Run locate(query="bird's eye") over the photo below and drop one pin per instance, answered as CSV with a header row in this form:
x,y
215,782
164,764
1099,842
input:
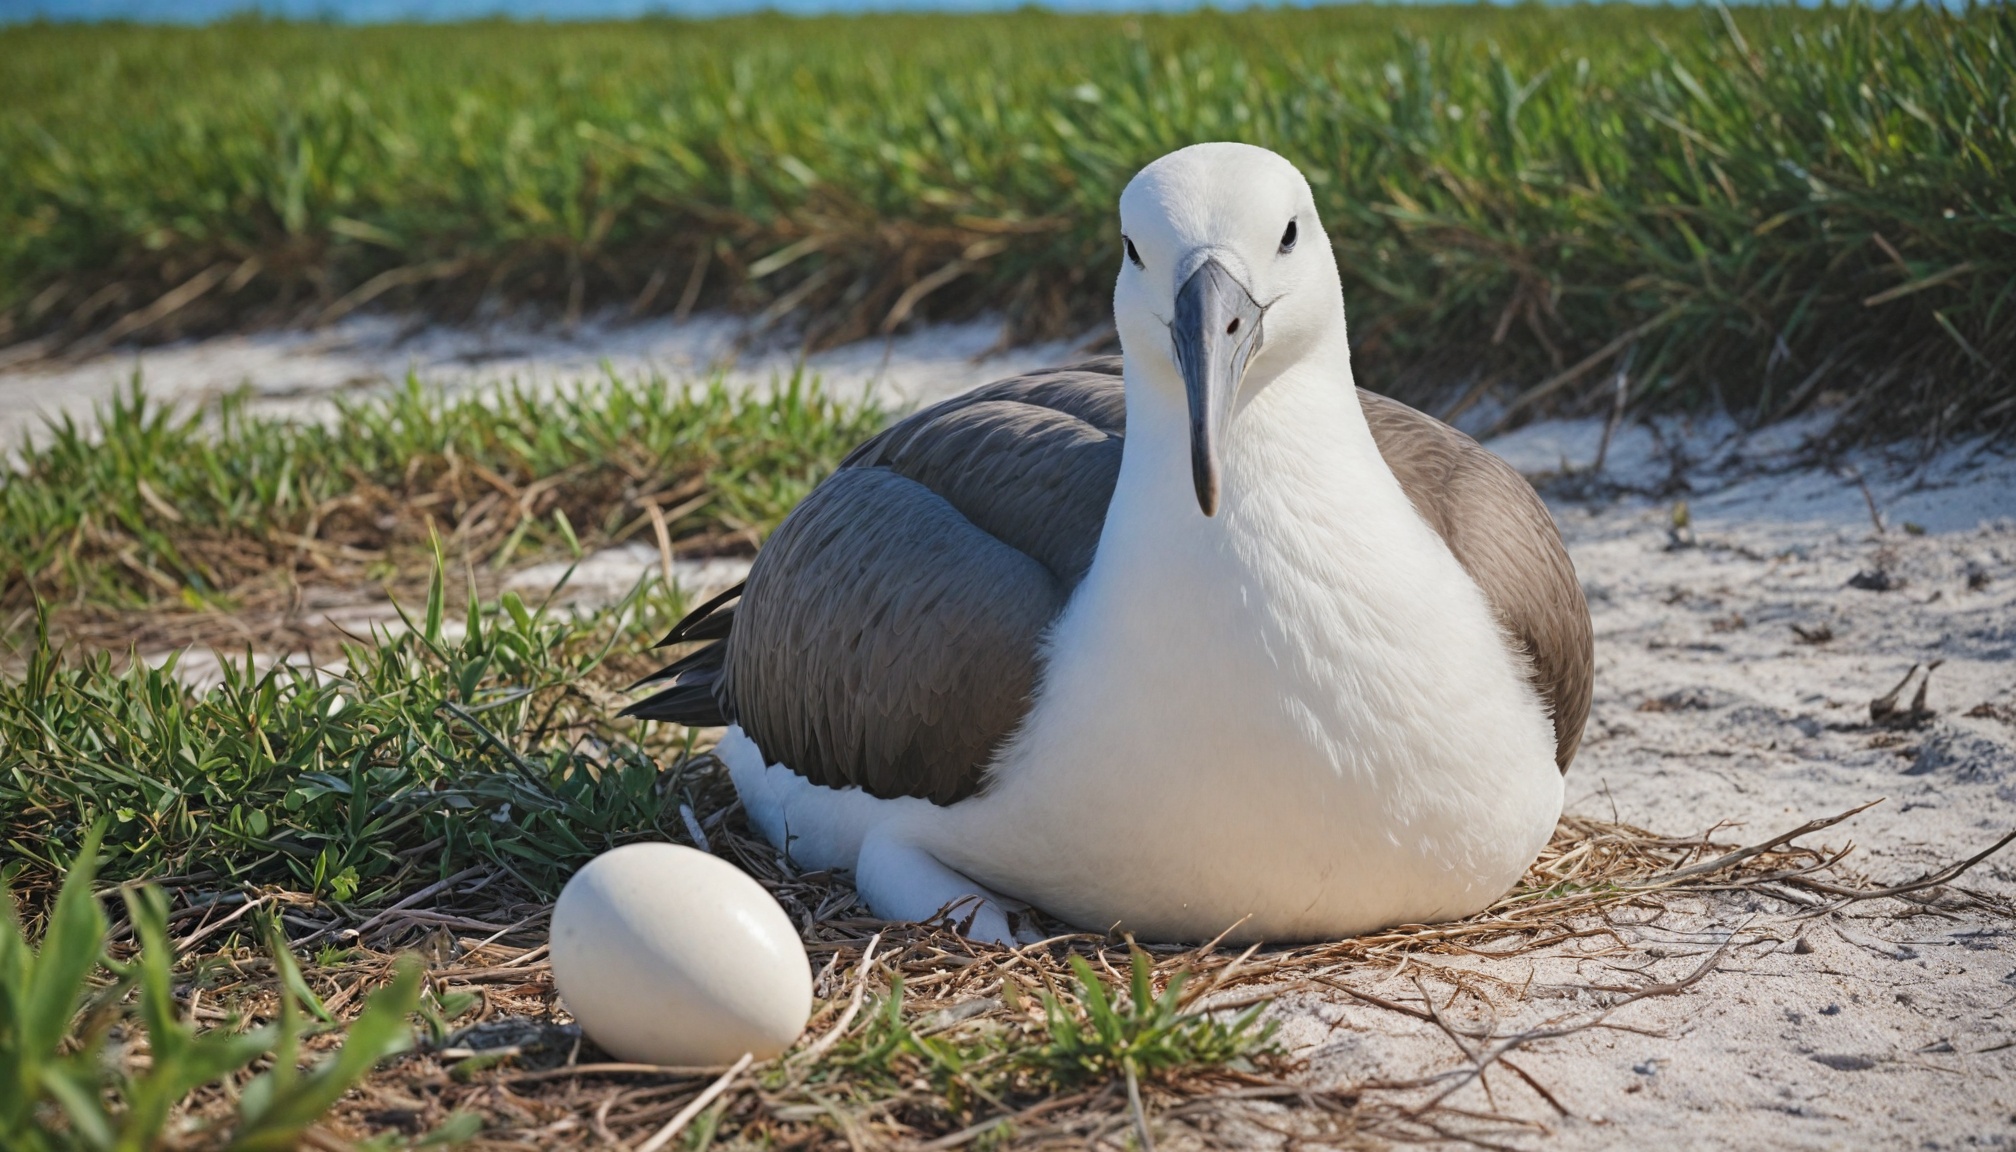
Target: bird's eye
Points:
x,y
1131,253
1288,238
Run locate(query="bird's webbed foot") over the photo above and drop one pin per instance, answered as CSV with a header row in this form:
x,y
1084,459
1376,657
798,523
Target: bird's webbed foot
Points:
x,y
901,880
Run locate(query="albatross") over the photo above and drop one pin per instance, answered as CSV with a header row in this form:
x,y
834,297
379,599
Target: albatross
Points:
x,y
1201,638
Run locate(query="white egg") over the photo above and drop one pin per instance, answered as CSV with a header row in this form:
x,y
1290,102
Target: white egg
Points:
x,y
667,955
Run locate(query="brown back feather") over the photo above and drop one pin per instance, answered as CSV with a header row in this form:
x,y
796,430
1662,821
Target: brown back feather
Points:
x,y
919,579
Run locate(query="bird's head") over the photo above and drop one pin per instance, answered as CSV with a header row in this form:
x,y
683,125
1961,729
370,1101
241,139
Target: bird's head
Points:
x,y
1227,277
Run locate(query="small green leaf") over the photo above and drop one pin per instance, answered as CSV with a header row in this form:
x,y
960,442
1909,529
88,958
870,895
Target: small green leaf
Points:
x,y
457,1129
290,976
436,598
69,952
516,609
566,527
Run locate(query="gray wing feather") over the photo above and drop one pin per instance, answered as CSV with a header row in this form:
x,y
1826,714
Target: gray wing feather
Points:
x,y
1502,534
1013,469
919,580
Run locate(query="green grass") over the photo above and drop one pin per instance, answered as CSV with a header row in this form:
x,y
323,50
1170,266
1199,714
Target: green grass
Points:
x,y
428,752
1086,1033
1143,1036
67,1009
1780,204
147,503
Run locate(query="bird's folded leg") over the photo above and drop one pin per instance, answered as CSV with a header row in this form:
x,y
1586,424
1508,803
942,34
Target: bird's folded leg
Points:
x,y
814,826
846,828
902,881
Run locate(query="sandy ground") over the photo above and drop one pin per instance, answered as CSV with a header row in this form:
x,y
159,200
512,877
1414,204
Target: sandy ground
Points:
x,y
1736,666
299,372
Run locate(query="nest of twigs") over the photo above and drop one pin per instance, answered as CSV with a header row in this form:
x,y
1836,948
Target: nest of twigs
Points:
x,y
895,999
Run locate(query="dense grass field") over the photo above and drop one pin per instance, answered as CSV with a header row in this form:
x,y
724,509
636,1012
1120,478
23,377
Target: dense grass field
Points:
x,y
145,506
1776,206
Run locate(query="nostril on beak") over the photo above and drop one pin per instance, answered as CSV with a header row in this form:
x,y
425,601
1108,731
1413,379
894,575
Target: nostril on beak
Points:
x,y
1232,327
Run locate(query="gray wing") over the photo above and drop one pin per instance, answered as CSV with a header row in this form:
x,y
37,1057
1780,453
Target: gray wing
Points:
x,y
1505,539
919,580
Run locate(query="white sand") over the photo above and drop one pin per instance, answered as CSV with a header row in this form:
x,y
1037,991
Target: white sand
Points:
x,y
297,372
1871,1031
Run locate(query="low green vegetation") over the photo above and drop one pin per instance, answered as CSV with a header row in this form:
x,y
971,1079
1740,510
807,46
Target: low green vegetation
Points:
x,y
1778,206
67,1009
1146,1035
428,751
1086,1033
432,748
149,503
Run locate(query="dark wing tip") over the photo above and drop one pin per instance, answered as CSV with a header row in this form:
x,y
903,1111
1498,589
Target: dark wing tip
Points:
x,y
698,625
694,696
691,702
708,659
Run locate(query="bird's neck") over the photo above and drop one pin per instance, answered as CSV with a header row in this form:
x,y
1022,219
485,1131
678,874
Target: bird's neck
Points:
x,y
1311,525
1296,455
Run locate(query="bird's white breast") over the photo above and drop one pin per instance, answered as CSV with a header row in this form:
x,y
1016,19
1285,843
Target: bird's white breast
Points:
x,y
1300,710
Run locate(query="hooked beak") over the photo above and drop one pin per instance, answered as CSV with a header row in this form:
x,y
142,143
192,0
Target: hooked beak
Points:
x,y
1216,331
